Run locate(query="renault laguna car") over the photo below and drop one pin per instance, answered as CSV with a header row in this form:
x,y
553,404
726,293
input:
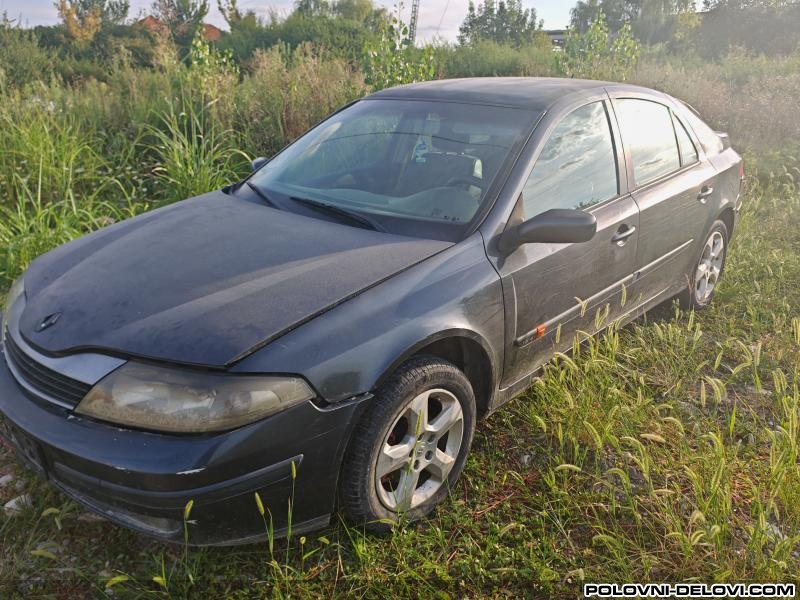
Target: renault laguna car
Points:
x,y
331,328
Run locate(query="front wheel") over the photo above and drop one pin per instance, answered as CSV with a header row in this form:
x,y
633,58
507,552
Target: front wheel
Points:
x,y
410,446
703,280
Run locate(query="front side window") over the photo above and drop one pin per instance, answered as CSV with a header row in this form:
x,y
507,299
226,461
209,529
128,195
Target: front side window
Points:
x,y
647,130
577,167
416,167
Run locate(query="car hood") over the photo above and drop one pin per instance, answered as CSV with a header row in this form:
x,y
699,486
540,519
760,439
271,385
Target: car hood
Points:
x,y
204,281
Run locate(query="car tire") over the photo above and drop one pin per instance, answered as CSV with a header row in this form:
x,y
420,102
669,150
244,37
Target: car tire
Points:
x,y
398,465
707,270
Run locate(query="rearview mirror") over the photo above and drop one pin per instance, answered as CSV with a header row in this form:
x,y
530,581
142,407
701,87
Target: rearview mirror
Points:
x,y
259,162
554,226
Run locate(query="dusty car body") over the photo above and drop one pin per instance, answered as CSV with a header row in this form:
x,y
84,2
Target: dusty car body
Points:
x,y
236,286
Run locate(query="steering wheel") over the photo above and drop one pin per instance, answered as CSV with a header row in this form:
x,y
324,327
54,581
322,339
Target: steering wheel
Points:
x,y
466,181
348,180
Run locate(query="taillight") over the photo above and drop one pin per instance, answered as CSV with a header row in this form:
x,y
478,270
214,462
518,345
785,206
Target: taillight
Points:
x,y
741,169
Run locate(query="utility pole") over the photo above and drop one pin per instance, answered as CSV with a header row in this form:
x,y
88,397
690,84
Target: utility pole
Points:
x,y
412,28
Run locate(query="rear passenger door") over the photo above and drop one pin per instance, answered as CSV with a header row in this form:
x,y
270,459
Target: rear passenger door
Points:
x,y
671,187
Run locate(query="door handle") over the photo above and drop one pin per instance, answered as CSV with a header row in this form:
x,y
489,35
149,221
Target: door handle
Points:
x,y
622,235
705,193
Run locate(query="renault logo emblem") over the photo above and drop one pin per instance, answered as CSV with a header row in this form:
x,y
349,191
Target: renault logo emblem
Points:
x,y
48,321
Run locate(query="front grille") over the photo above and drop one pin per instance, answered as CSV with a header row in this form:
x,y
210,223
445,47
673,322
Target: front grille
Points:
x,y
43,379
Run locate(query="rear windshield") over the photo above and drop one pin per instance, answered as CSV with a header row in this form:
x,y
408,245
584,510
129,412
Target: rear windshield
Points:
x,y
416,167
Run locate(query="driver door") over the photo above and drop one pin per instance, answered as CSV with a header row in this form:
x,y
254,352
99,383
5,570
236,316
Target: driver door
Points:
x,y
554,291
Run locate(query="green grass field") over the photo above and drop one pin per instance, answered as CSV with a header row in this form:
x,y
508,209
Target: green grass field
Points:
x,y
664,451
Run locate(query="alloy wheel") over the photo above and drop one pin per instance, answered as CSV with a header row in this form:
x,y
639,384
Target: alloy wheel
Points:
x,y
419,450
709,268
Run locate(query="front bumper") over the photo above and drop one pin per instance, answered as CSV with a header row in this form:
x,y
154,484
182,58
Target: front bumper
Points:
x,y
143,480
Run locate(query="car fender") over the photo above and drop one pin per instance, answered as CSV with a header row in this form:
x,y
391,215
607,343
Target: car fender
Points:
x,y
444,334
352,348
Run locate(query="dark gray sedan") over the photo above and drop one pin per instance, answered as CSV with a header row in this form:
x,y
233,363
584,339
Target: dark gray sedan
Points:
x,y
333,327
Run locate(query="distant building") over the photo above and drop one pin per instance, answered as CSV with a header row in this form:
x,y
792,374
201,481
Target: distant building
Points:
x,y
152,24
556,36
211,32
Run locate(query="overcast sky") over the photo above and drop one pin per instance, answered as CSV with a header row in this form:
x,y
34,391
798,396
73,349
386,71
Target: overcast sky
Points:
x,y
437,17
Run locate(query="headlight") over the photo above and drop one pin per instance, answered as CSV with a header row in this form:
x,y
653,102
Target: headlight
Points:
x,y
176,400
17,289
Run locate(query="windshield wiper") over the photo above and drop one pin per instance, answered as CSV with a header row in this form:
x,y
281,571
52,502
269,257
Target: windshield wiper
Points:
x,y
339,211
261,194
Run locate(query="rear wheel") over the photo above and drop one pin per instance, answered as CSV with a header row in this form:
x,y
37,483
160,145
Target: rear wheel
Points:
x,y
703,280
410,446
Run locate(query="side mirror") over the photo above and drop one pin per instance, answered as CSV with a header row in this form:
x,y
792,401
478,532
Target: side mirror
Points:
x,y
259,162
554,226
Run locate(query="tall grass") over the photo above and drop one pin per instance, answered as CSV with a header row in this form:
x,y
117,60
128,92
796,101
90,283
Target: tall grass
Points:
x,y
192,155
754,98
664,451
489,59
32,226
47,148
286,92
76,158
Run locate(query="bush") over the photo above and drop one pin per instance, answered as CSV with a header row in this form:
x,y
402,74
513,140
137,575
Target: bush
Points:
x,y
394,60
489,59
771,30
32,227
47,152
593,55
114,134
287,92
193,155
753,98
21,59
340,37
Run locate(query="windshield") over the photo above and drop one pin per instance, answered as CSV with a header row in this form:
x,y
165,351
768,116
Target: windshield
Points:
x,y
413,167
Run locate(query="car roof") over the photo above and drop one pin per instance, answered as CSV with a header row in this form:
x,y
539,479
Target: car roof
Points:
x,y
531,93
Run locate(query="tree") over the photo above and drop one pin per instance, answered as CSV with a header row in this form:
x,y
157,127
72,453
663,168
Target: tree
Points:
x,y
650,20
355,10
394,60
503,22
761,26
183,18
361,11
112,12
22,58
747,4
83,19
594,55
583,14
312,8
230,11
617,13
80,27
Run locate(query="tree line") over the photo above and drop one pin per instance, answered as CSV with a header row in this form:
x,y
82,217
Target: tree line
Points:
x,y
93,33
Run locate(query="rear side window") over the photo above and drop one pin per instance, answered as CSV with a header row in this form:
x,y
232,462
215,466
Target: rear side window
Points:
x,y
709,139
647,130
685,146
577,167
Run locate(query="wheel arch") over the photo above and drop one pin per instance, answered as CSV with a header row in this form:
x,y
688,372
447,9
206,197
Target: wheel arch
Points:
x,y
728,216
468,351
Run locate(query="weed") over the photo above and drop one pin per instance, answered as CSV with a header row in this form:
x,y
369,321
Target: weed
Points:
x,y
666,450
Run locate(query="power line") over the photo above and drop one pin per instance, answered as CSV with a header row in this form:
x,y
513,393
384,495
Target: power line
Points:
x,y
441,20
